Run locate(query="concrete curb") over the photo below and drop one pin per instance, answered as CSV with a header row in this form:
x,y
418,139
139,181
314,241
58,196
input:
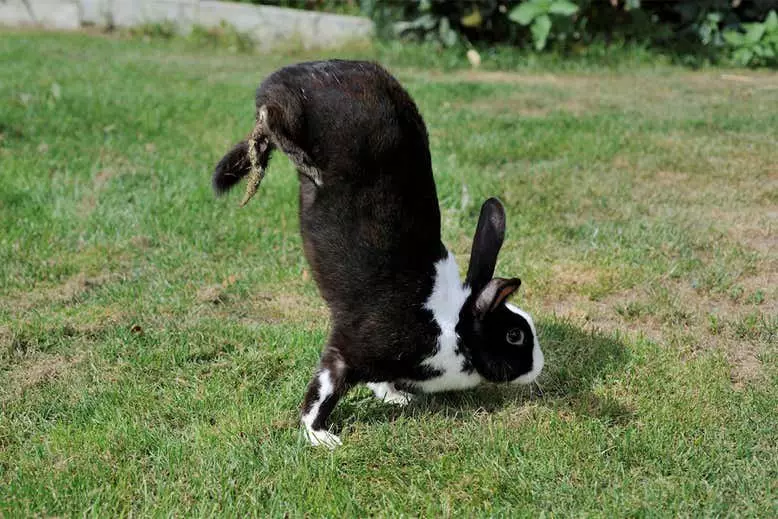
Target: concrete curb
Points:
x,y
268,26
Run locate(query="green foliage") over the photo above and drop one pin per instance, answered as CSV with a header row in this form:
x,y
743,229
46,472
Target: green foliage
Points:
x,y
224,36
694,31
538,15
158,31
756,43
349,7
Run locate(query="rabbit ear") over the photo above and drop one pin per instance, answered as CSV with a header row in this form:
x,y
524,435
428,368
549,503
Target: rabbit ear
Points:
x,y
495,292
486,244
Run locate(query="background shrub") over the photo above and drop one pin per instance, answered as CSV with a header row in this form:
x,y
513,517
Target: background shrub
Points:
x,y
744,32
695,30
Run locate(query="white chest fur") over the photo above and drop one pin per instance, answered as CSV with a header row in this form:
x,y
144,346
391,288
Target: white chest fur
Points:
x,y
445,302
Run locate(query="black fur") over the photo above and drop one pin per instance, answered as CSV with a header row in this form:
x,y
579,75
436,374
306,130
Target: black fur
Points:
x,y
231,168
487,242
370,223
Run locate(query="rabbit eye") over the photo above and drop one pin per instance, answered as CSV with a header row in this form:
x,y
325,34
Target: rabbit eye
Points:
x,y
515,336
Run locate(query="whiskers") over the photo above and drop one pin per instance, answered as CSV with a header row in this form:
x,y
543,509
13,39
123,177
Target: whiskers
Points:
x,y
533,392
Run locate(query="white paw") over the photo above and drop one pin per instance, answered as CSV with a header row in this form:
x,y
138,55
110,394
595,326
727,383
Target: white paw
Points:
x,y
398,397
323,437
388,393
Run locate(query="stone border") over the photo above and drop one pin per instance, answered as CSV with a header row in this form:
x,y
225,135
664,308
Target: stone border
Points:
x,y
268,26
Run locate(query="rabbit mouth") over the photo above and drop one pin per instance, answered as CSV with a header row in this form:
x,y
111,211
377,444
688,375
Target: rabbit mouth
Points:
x,y
538,360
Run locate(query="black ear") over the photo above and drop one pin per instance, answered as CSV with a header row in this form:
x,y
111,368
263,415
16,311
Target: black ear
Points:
x,y
231,168
486,244
493,294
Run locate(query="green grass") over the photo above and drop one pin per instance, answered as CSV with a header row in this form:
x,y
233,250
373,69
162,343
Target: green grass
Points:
x,y
155,342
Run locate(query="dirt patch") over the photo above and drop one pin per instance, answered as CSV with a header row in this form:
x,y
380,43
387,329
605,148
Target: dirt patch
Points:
x,y
573,279
669,311
486,76
746,366
669,178
530,105
762,240
74,288
89,200
755,229
38,371
290,306
109,165
607,315
71,291
766,280
575,275
216,294
6,338
140,242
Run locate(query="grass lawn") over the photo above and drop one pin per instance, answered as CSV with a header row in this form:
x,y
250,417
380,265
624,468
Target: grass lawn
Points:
x,y
155,342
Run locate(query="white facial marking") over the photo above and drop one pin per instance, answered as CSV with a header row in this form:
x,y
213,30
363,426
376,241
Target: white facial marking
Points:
x,y
387,392
537,355
320,436
446,300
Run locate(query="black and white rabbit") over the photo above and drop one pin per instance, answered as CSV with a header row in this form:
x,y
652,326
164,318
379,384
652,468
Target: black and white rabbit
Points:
x,y
402,320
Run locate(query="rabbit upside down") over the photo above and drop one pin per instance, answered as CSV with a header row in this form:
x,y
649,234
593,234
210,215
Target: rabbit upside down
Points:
x,y
402,320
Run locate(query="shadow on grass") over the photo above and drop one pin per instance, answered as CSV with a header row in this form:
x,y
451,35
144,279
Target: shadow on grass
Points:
x,y
576,360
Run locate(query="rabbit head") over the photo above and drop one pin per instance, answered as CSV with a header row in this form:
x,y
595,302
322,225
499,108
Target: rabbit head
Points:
x,y
501,339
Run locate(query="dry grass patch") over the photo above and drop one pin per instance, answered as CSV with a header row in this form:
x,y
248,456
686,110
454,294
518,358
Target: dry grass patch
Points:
x,y
276,304
35,371
75,287
289,305
673,313
70,292
579,93
501,77
108,166
532,104
746,366
755,229
217,293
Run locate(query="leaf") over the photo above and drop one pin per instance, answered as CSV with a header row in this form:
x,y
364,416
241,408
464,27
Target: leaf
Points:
x,y
771,22
447,35
425,22
563,7
743,56
525,12
734,38
540,29
473,19
754,32
630,5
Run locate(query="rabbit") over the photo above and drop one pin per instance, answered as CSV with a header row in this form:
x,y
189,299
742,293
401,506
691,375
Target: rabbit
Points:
x,y
402,321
